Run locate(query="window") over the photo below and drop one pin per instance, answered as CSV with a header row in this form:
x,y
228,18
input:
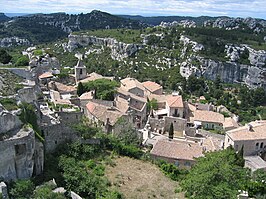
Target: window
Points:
x,y
261,145
176,163
55,142
257,146
236,147
187,164
80,72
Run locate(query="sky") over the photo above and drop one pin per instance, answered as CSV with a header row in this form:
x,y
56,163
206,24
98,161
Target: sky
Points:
x,y
233,8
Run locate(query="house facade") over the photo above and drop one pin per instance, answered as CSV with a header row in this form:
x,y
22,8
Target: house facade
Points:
x,y
252,137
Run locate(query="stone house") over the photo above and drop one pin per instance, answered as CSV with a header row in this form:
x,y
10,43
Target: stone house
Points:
x,y
181,153
133,105
133,86
168,105
207,119
45,78
104,116
251,136
175,106
152,88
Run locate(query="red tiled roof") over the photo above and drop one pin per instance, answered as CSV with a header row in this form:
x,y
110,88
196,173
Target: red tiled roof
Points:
x,y
151,86
175,101
176,149
46,75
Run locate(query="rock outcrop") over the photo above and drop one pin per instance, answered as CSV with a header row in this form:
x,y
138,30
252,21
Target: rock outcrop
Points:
x,y
14,41
252,73
8,121
182,23
257,25
119,50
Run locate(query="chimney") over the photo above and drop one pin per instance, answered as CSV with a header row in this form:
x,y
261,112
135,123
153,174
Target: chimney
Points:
x,y
250,127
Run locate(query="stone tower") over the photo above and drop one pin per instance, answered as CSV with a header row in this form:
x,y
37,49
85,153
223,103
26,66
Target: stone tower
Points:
x,y
80,71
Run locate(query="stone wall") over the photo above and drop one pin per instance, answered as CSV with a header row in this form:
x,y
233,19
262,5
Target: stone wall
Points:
x,y
163,125
17,159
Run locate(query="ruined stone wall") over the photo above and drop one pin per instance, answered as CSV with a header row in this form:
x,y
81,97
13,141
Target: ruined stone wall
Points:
x,y
57,134
70,117
17,155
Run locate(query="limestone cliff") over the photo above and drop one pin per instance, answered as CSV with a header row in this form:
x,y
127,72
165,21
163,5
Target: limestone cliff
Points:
x,y
119,50
252,73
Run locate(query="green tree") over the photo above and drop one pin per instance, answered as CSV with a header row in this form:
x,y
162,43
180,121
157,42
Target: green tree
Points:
x,y
22,61
5,58
104,88
80,89
217,175
257,184
152,105
85,130
171,131
22,189
28,116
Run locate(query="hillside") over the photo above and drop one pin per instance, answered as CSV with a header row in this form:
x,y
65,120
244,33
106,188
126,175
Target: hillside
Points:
x,y
157,20
39,28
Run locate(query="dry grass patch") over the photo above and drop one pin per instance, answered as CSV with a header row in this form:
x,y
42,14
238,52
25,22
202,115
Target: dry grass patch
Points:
x,y
137,179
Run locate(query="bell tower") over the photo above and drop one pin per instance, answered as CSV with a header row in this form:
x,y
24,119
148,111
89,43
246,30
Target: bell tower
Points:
x,y
80,71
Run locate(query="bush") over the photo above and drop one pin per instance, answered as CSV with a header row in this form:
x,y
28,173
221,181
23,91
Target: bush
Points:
x,y
5,58
171,170
21,189
22,61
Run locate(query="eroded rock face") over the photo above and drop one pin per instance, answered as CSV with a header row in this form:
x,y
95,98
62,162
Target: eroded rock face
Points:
x,y
183,23
8,121
14,41
253,74
257,25
119,50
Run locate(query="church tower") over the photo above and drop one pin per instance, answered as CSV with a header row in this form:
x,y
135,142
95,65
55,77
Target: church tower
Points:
x,y
80,71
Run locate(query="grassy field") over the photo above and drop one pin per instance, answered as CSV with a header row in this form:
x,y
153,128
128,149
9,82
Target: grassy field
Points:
x,y
137,179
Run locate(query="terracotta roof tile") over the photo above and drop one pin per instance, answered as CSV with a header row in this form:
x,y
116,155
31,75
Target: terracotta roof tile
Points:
x,y
174,101
175,149
208,116
46,75
94,76
151,86
129,83
103,113
257,131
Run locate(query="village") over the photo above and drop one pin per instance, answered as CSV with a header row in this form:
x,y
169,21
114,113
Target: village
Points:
x,y
178,131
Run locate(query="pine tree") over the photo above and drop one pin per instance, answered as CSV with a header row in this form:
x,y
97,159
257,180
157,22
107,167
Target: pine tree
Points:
x,y
171,131
80,89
